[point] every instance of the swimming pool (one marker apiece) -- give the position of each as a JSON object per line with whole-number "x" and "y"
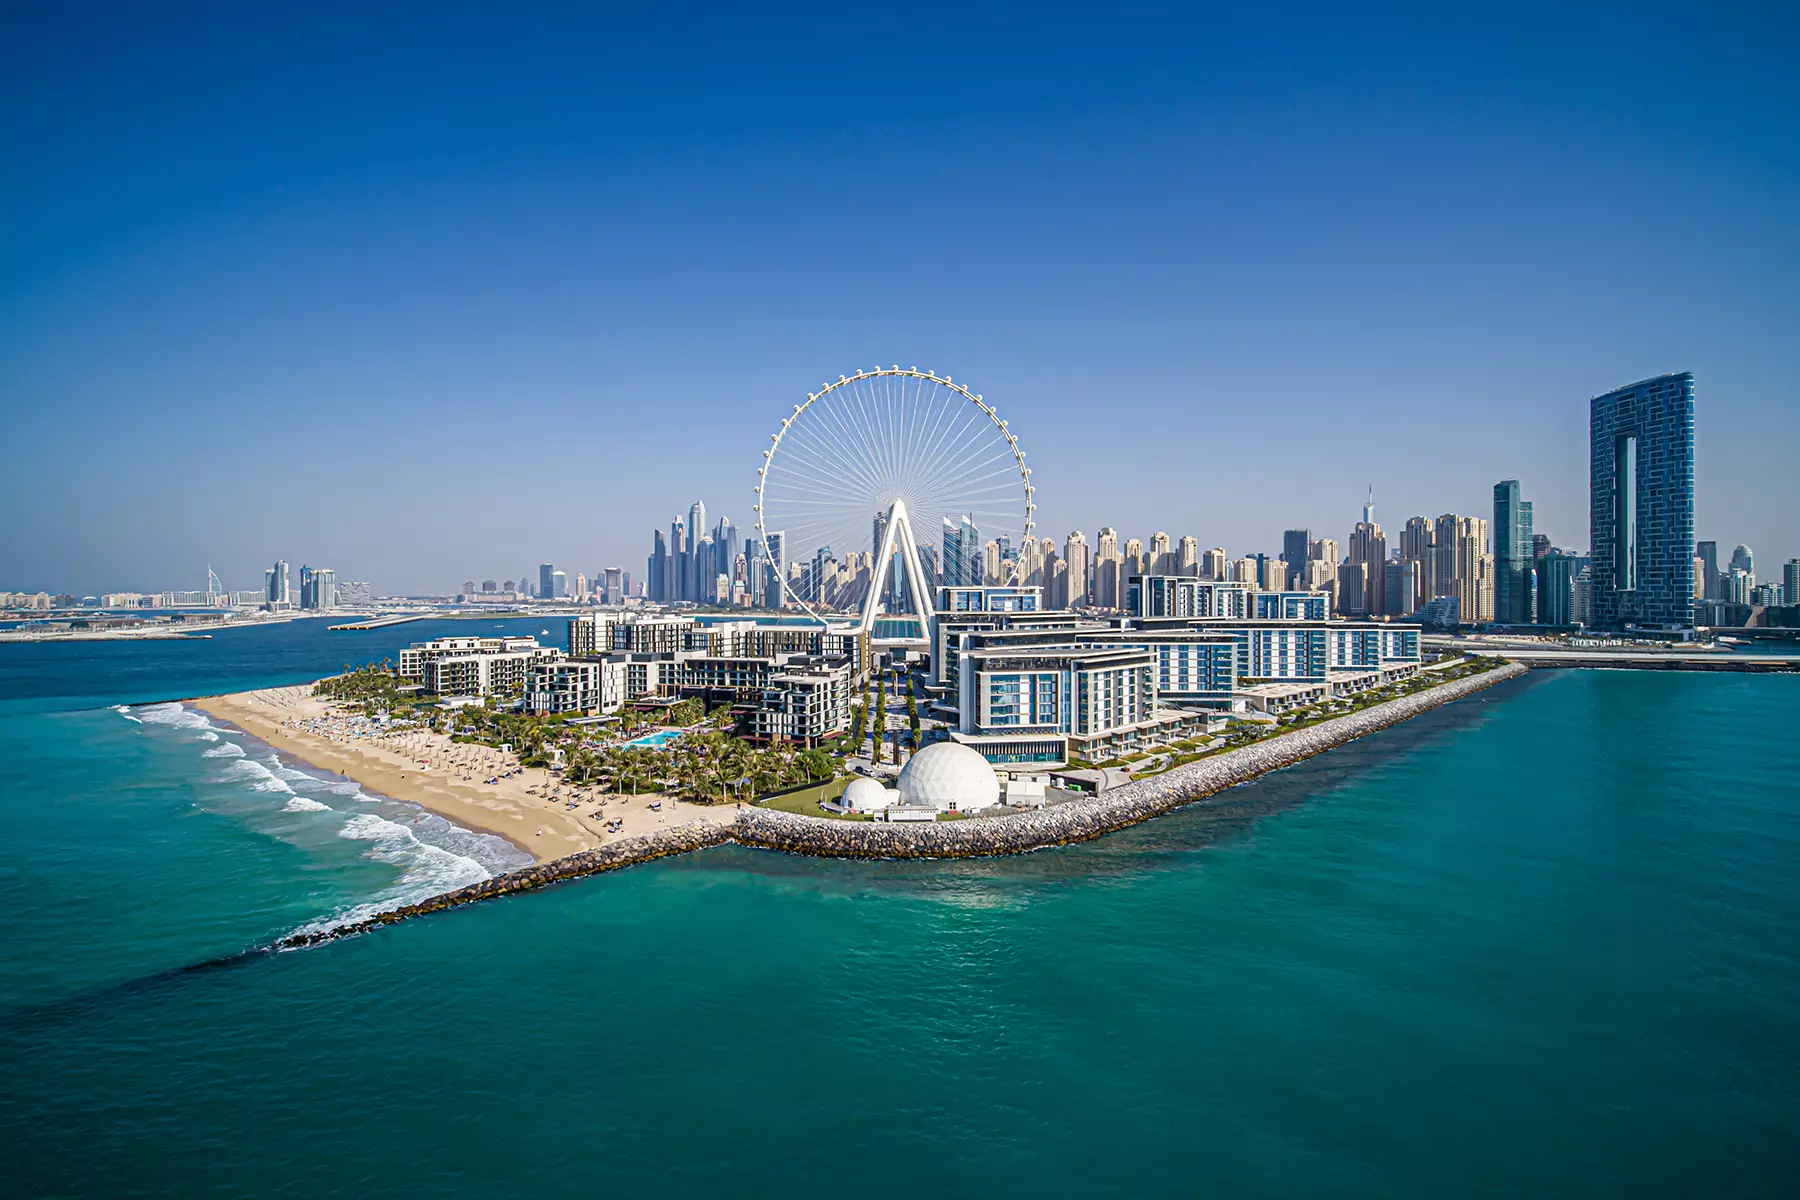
{"x": 660, "y": 737}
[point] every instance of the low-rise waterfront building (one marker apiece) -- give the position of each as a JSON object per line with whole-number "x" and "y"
{"x": 806, "y": 701}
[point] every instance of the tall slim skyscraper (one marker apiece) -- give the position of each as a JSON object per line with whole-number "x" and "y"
{"x": 546, "y": 581}
{"x": 1187, "y": 556}
{"x": 1707, "y": 586}
{"x": 1641, "y": 503}
{"x": 1368, "y": 546}
{"x": 696, "y": 524}
{"x": 953, "y": 556}
{"x": 656, "y": 570}
{"x": 1294, "y": 545}
{"x": 1075, "y": 559}
{"x": 1106, "y": 568}
{"x": 775, "y": 569}
{"x": 1512, "y": 542}
{"x": 278, "y": 584}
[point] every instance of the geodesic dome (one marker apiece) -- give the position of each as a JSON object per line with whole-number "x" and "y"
{"x": 948, "y": 775}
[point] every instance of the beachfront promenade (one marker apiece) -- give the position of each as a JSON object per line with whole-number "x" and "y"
{"x": 972, "y": 837}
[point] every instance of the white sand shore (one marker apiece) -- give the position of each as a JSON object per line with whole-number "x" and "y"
{"x": 528, "y": 809}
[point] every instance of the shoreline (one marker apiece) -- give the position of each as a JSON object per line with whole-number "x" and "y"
{"x": 290, "y": 758}
{"x": 975, "y": 837}
{"x": 447, "y": 778}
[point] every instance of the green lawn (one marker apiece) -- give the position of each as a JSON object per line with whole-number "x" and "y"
{"x": 805, "y": 801}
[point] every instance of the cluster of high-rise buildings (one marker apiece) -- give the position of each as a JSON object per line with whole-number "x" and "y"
{"x": 611, "y": 585}
{"x": 313, "y": 589}
{"x": 1643, "y": 570}
{"x": 709, "y": 566}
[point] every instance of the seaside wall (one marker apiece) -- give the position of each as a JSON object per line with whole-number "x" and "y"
{"x": 680, "y": 839}
{"x": 1083, "y": 820}
{"x": 972, "y": 837}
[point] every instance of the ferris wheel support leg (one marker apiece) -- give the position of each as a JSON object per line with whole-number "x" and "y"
{"x": 899, "y": 535}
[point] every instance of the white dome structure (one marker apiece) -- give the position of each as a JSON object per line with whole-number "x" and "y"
{"x": 949, "y": 775}
{"x": 866, "y": 795}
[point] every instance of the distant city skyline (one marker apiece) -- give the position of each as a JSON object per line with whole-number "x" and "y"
{"x": 361, "y": 310}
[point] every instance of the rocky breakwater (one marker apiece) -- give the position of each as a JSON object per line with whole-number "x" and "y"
{"x": 972, "y": 837}
{"x": 680, "y": 839}
{"x": 1083, "y": 820}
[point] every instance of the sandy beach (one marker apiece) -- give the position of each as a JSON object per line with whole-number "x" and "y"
{"x": 529, "y": 809}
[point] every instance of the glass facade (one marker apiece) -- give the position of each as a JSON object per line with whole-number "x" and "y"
{"x": 1641, "y": 503}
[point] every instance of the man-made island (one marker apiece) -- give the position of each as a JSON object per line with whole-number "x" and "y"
{"x": 677, "y": 827}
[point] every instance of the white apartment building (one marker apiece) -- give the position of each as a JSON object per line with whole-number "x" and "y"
{"x": 564, "y": 685}
{"x": 807, "y": 701}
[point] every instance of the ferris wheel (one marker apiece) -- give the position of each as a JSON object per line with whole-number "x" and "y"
{"x": 885, "y": 437}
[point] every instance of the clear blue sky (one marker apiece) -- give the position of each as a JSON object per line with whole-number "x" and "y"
{"x": 440, "y": 294}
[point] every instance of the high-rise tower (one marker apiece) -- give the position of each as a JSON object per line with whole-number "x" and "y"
{"x": 1641, "y": 503}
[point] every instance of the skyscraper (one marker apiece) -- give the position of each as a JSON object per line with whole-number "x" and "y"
{"x": 1641, "y": 503}
{"x": 546, "y": 582}
{"x": 775, "y": 569}
{"x": 1187, "y": 556}
{"x": 1368, "y": 546}
{"x": 277, "y": 585}
{"x": 1162, "y": 562}
{"x": 1106, "y": 568}
{"x": 953, "y": 557}
{"x": 1294, "y": 548}
{"x": 675, "y": 588}
{"x": 696, "y": 525}
{"x": 1790, "y": 581}
{"x": 656, "y": 570}
{"x": 1707, "y": 588}
{"x": 1075, "y": 559}
{"x": 1512, "y": 542}
{"x": 1744, "y": 559}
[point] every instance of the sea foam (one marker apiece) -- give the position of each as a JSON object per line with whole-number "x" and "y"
{"x": 426, "y": 870}
{"x": 171, "y": 715}
{"x": 302, "y": 804}
{"x": 225, "y": 750}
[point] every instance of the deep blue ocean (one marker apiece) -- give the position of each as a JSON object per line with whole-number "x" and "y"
{"x": 1544, "y": 941}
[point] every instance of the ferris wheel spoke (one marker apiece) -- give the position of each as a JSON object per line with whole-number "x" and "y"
{"x": 823, "y": 458}
{"x": 871, "y": 439}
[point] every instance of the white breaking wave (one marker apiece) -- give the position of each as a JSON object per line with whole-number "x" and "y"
{"x": 265, "y": 781}
{"x": 172, "y": 715}
{"x": 302, "y": 804}
{"x": 225, "y": 750}
{"x": 124, "y": 710}
{"x": 427, "y": 867}
{"x": 426, "y": 870}
{"x": 209, "y": 736}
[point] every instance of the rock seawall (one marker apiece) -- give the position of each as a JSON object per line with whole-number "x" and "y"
{"x": 1084, "y": 820}
{"x": 973, "y": 837}
{"x": 681, "y": 839}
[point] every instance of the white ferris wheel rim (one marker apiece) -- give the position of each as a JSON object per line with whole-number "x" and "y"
{"x": 928, "y": 376}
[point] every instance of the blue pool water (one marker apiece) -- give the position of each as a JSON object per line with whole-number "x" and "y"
{"x": 659, "y": 738}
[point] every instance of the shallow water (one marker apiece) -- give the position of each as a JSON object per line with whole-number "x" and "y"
{"x": 1547, "y": 940}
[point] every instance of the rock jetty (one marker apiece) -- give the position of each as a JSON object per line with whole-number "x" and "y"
{"x": 972, "y": 837}
{"x": 679, "y": 839}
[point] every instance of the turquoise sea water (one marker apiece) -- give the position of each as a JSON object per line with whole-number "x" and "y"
{"x": 1546, "y": 940}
